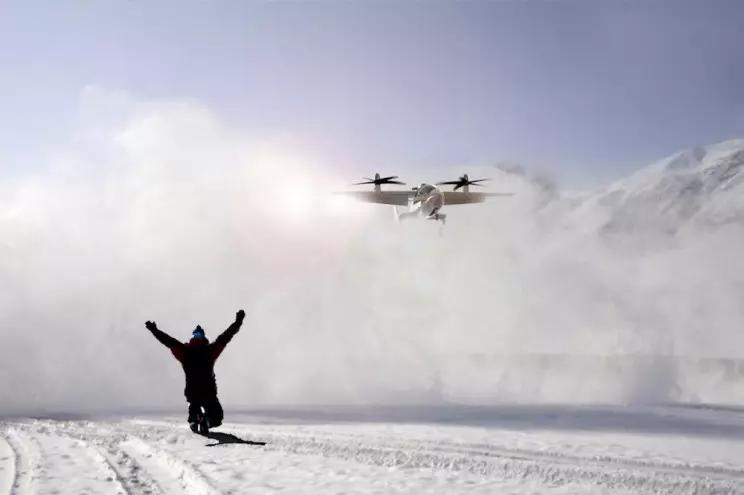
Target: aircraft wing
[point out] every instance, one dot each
(399, 198)
(466, 198)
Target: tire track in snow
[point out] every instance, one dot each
(168, 464)
(128, 472)
(484, 459)
(492, 450)
(8, 466)
(554, 468)
(185, 476)
(127, 482)
(27, 462)
(174, 474)
(124, 470)
(542, 470)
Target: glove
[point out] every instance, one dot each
(240, 315)
(150, 325)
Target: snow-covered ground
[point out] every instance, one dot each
(507, 449)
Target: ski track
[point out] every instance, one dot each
(143, 456)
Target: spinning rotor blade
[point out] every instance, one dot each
(462, 182)
(380, 180)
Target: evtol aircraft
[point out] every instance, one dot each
(424, 201)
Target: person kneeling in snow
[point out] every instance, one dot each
(197, 357)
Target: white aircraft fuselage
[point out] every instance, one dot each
(427, 203)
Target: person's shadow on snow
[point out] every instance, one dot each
(227, 438)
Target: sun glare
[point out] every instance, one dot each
(296, 199)
(299, 193)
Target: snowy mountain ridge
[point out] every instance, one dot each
(691, 192)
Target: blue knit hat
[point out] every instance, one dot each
(198, 333)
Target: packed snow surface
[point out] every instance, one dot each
(506, 449)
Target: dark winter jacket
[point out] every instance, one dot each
(197, 357)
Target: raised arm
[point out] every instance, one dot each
(225, 337)
(165, 339)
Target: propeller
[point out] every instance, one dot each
(463, 181)
(380, 180)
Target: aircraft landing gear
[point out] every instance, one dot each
(439, 217)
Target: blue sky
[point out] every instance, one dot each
(583, 90)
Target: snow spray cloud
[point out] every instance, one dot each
(156, 211)
(160, 211)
